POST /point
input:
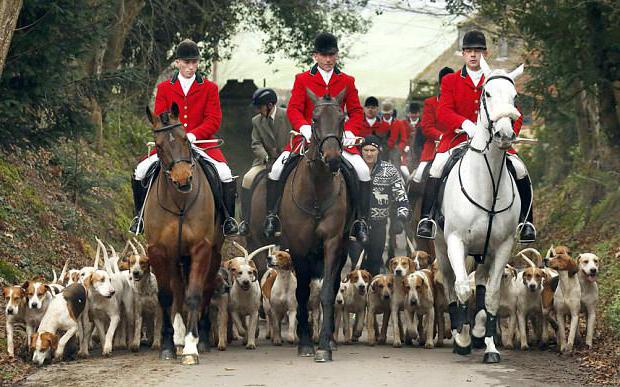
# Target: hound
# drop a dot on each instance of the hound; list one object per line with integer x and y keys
{"x": 245, "y": 294}
{"x": 441, "y": 304}
{"x": 278, "y": 286}
{"x": 314, "y": 307}
{"x": 218, "y": 309}
{"x": 421, "y": 258}
{"x": 588, "y": 271}
{"x": 339, "y": 312}
{"x": 567, "y": 298}
{"x": 419, "y": 305}
{"x": 529, "y": 300}
{"x": 355, "y": 301}
{"x": 400, "y": 268}
{"x": 143, "y": 296}
{"x": 64, "y": 313}
{"x": 379, "y": 302}
{"x": 39, "y": 296}
{"x": 15, "y": 311}
{"x": 507, "y": 311}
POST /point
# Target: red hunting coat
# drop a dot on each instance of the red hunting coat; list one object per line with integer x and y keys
{"x": 400, "y": 130}
{"x": 460, "y": 101}
{"x": 367, "y": 130}
{"x": 199, "y": 111}
{"x": 430, "y": 128}
{"x": 300, "y": 106}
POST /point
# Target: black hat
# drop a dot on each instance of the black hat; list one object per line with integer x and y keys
{"x": 443, "y": 72}
{"x": 187, "y": 49}
{"x": 264, "y": 96}
{"x": 325, "y": 43}
{"x": 373, "y": 140}
{"x": 474, "y": 39}
{"x": 371, "y": 101}
{"x": 414, "y": 107}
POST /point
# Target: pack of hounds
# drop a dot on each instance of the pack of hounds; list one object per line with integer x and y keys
{"x": 116, "y": 306}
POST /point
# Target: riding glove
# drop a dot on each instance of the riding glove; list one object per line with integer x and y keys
{"x": 306, "y": 131}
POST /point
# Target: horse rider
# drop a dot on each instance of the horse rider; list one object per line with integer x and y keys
{"x": 401, "y": 136}
{"x": 371, "y": 123}
{"x": 200, "y": 114}
{"x": 431, "y": 129}
{"x": 389, "y": 123}
{"x": 325, "y": 77}
{"x": 387, "y": 190}
{"x": 459, "y": 103}
{"x": 270, "y": 134}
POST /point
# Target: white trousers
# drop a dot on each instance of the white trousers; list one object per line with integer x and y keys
{"x": 222, "y": 168}
{"x": 419, "y": 171}
{"x": 441, "y": 158}
{"x": 358, "y": 163}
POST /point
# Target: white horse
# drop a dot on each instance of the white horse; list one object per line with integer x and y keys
{"x": 480, "y": 191}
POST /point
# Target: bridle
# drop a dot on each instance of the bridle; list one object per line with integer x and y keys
{"x": 315, "y": 136}
{"x": 174, "y": 162}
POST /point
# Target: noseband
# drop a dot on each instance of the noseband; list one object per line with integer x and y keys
{"x": 174, "y": 162}
{"x": 315, "y": 136}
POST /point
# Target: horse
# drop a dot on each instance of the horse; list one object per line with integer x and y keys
{"x": 481, "y": 212}
{"x": 182, "y": 229}
{"x": 315, "y": 214}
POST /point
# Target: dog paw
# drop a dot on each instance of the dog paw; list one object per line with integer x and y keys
{"x": 156, "y": 346}
{"x": 276, "y": 342}
{"x": 221, "y": 347}
{"x": 134, "y": 347}
{"x": 381, "y": 341}
{"x": 397, "y": 344}
{"x": 347, "y": 342}
{"x": 509, "y": 346}
{"x": 250, "y": 346}
{"x": 429, "y": 345}
{"x": 107, "y": 352}
{"x": 525, "y": 347}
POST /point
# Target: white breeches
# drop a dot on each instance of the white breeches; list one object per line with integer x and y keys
{"x": 441, "y": 158}
{"x": 419, "y": 171}
{"x": 519, "y": 166}
{"x": 222, "y": 168}
{"x": 249, "y": 177}
{"x": 358, "y": 163}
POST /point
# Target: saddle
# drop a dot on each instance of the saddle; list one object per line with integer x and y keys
{"x": 455, "y": 156}
{"x": 209, "y": 171}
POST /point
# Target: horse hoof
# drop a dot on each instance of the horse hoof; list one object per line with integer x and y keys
{"x": 478, "y": 342}
{"x": 203, "y": 347}
{"x": 461, "y": 350}
{"x": 305, "y": 351}
{"x": 491, "y": 357}
{"x": 322, "y": 356}
{"x": 167, "y": 354}
{"x": 189, "y": 359}
{"x": 333, "y": 346}
{"x": 179, "y": 350}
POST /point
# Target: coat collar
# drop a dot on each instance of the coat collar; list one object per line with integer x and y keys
{"x": 468, "y": 80}
{"x": 175, "y": 77}
{"x": 315, "y": 69}
{"x": 176, "y": 86}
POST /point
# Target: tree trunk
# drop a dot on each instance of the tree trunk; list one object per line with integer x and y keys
{"x": 9, "y": 12}
{"x": 126, "y": 12}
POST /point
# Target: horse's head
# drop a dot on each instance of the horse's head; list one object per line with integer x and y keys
{"x": 328, "y": 127}
{"x": 173, "y": 148}
{"x": 498, "y": 104}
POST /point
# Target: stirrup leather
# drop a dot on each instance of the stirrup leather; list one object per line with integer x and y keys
{"x": 235, "y": 226}
{"x": 433, "y": 228}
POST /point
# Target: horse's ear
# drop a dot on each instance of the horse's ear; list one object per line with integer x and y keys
{"x": 486, "y": 70}
{"x": 514, "y": 74}
{"x": 174, "y": 110}
{"x": 312, "y": 96}
{"x": 340, "y": 96}
{"x": 149, "y": 115}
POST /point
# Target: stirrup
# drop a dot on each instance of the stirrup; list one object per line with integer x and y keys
{"x": 137, "y": 225}
{"x": 362, "y": 227}
{"x": 233, "y": 225}
{"x": 520, "y": 229}
{"x": 433, "y": 229}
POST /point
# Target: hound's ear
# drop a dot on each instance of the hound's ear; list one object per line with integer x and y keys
{"x": 54, "y": 342}
{"x": 373, "y": 286}
{"x": 5, "y": 292}
{"x": 88, "y": 280}
{"x": 33, "y": 340}
{"x": 25, "y": 285}
{"x": 514, "y": 74}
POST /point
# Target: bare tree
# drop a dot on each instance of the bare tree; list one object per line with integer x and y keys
{"x": 9, "y": 12}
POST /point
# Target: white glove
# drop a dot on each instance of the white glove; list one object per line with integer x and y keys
{"x": 191, "y": 137}
{"x": 349, "y": 134}
{"x": 469, "y": 128}
{"x": 406, "y": 149}
{"x": 306, "y": 131}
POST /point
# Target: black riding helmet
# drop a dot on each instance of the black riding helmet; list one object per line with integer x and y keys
{"x": 263, "y": 96}
{"x": 188, "y": 50}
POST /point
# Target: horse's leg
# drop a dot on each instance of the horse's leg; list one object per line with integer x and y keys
{"x": 160, "y": 266}
{"x": 456, "y": 255}
{"x": 305, "y": 347}
{"x": 196, "y": 297}
{"x": 502, "y": 255}
{"x": 480, "y": 316}
{"x": 334, "y": 258}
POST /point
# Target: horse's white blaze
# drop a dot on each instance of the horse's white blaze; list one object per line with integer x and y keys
{"x": 179, "y": 330}
{"x": 191, "y": 345}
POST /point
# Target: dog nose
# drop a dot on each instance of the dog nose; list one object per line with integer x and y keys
{"x": 413, "y": 302}
{"x": 9, "y": 311}
{"x": 35, "y": 305}
{"x": 136, "y": 273}
{"x": 532, "y": 287}
{"x": 246, "y": 282}
{"x": 386, "y": 296}
{"x": 399, "y": 272}
{"x": 593, "y": 271}
{"x": 112, "y": 292}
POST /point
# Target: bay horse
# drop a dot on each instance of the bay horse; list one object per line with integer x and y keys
{"x": 481, "y": 212}
{"x": 315, "y": 213}
{"x": 184, "y": 237}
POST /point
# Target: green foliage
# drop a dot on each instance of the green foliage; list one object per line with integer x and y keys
{"x": 9, "y": 274}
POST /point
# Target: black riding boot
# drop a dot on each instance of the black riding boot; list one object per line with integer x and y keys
{"x": 526, "y": 229}
{"x": 272, "y": 222}
{"x": 425, "y": 226}
{"x": 139, "y": 194}
{"x": 246, "y": 199}
{"x": 230, "y": 195}
{"x": 360, "y": 226}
